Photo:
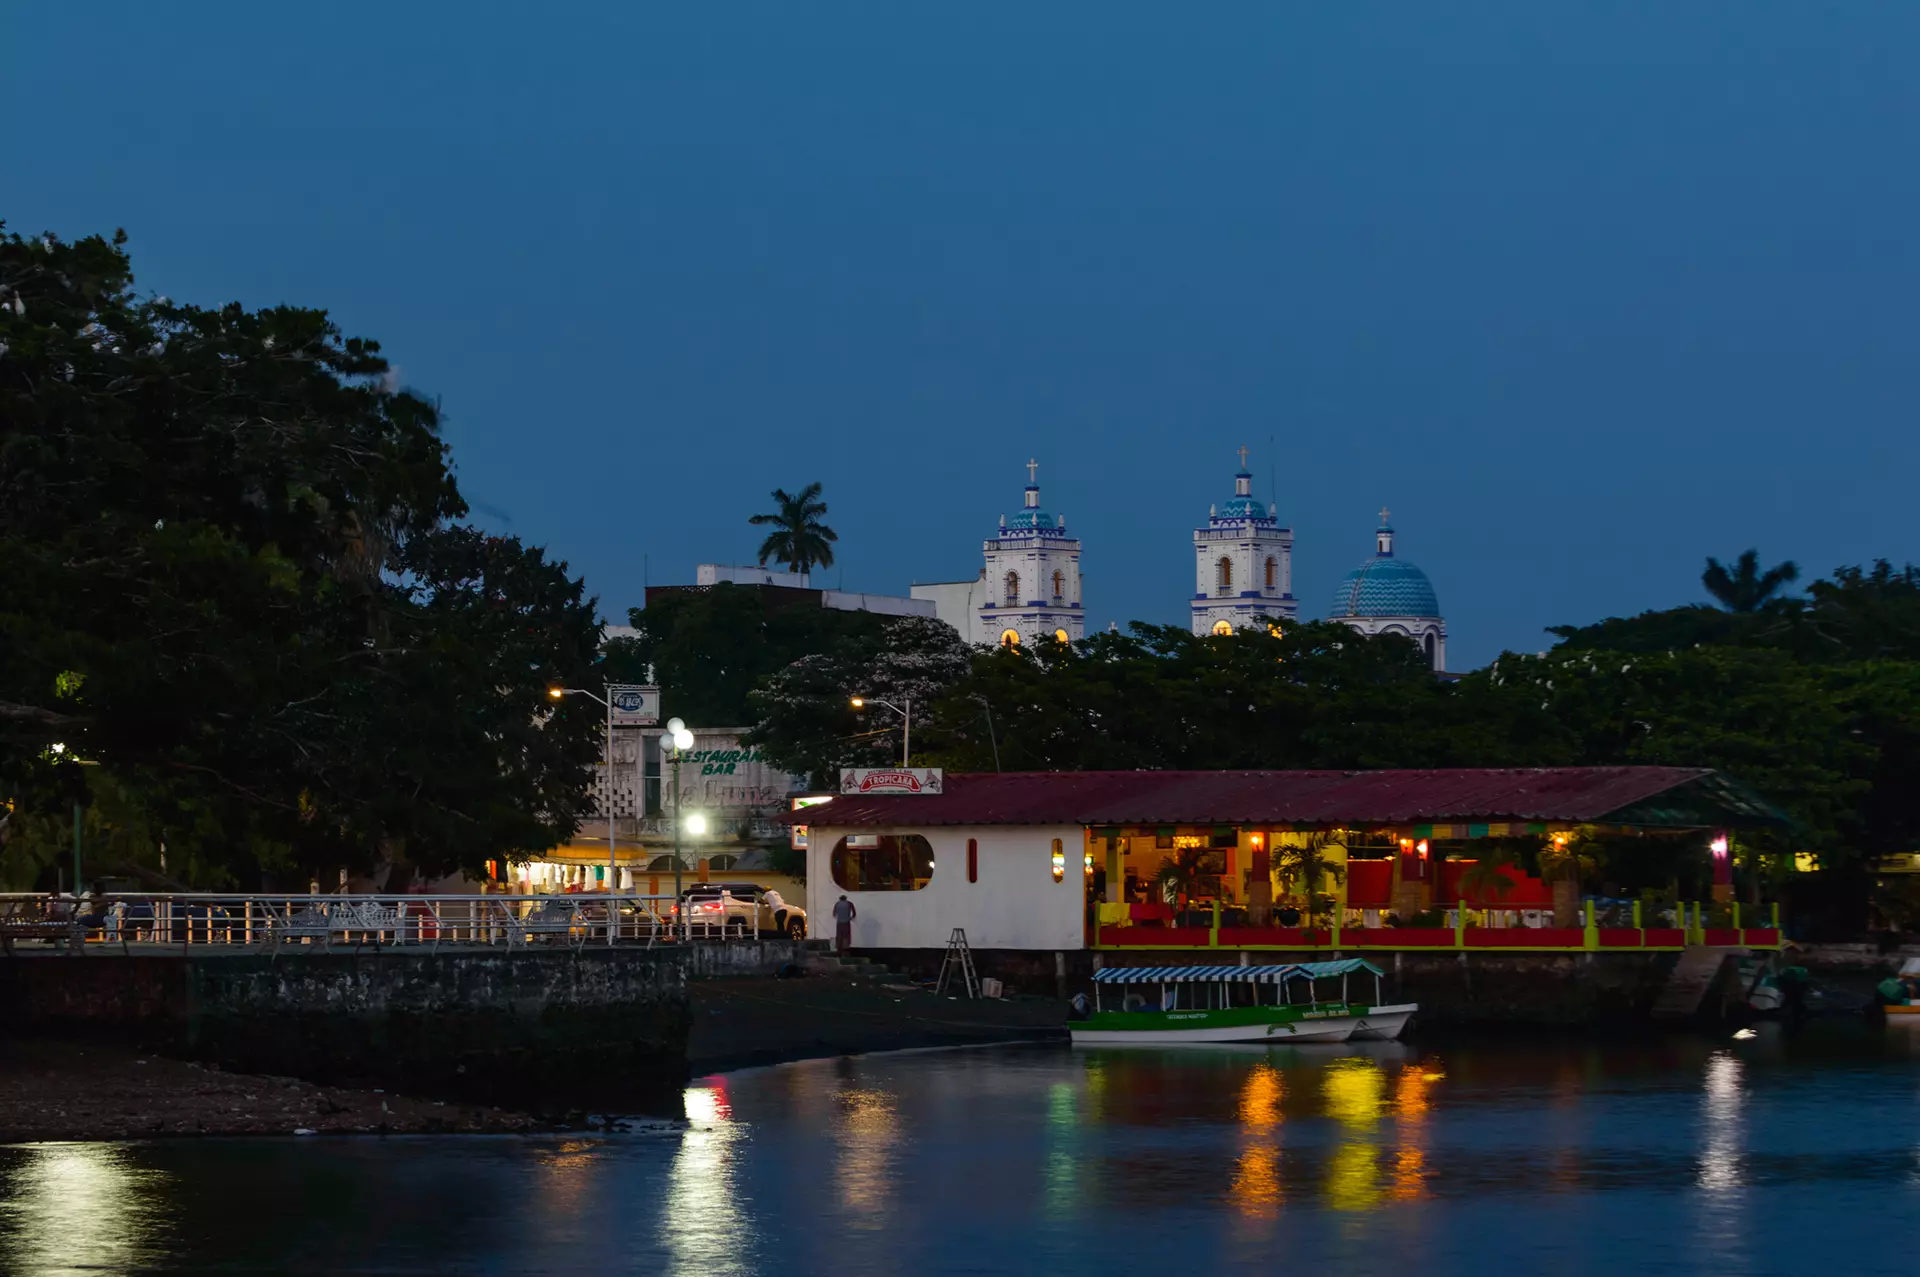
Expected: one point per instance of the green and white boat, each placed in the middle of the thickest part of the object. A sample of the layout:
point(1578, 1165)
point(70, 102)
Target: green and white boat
point(1280, 1003)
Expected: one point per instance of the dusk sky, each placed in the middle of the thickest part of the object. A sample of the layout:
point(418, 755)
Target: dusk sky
point(1583, 292)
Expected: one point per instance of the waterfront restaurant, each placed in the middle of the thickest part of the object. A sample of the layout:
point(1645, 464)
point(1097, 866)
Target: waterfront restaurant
point(1075, 860)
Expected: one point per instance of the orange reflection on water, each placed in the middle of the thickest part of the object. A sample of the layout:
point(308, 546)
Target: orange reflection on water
point(867, 1132)
point(1260, 1098)
point(1410, 1104)
point(1256, 1183)
point(1256, 1176)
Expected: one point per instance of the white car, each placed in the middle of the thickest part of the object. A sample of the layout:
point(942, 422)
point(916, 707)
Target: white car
point(740, 909)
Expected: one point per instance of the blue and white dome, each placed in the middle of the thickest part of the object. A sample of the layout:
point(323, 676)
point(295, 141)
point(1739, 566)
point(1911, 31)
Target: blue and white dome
point(1385, 586)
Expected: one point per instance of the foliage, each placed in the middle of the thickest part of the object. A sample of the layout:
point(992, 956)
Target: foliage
point(232, 581)
point(1302, 865)
point(1744, 587)
point(1160, 697)
point(710, 649)
point(799, 539)
point(806, 721)
point(1483, 882)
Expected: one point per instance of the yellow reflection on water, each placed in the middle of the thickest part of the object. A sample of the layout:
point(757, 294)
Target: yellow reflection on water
point(1256, 1176)
point(1353, 1176)
point(1354, 1089)
point(865, 1136)
point(1063, 1123)
point(704, 1223)
point(79, 1207)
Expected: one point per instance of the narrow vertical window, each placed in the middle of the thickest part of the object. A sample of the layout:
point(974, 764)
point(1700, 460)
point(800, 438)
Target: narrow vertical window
point(973, 860)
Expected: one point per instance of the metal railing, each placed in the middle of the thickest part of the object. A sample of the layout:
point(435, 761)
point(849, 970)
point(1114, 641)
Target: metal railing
point(239, 920)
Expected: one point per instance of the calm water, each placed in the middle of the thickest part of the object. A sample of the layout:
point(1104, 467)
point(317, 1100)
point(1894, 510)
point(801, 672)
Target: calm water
point(1696, 1157)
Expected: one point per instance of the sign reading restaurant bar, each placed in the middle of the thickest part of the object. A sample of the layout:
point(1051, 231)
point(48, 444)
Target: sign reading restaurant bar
point(891, 780)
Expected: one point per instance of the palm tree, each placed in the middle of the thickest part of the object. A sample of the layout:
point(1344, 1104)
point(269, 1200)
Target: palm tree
point(1482, 882)
point(1308, 866)
point(1744, 587)
point(799, 539)
point(1564, 864)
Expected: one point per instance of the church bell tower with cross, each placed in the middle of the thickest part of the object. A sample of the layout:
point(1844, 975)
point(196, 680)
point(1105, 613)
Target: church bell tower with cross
point(1032, 578)
point(1243, 564)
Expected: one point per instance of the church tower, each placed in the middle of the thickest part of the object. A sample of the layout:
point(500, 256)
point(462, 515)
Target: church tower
point(1032, 577)
point(1243, 564)
point(1388, 595)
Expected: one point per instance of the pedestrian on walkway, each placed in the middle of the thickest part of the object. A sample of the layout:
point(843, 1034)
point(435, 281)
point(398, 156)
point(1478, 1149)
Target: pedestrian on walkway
point(843, 915)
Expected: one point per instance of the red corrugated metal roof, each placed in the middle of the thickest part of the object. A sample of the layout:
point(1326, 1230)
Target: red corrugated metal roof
point(1332, 798)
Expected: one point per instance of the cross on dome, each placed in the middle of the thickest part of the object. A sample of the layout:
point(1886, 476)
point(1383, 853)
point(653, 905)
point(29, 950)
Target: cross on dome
point(1243, 456)
point(1033, 470)
point(1383, 514)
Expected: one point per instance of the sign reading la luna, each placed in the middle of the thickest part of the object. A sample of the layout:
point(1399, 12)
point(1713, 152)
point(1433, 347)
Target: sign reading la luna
point(891, 780)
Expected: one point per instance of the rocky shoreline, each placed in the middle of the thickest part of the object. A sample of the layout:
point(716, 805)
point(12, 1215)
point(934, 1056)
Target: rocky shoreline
point(57, 1089)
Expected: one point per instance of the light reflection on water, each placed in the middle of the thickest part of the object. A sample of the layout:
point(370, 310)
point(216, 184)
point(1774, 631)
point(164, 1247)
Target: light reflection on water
point(1714, 1158)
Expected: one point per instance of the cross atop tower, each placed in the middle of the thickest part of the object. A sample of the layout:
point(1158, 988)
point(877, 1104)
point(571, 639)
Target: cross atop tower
point(1033, 470)
point(1383, 514)
point(1243, 456)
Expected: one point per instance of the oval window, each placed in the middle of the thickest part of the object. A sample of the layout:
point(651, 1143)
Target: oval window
point(881, 862)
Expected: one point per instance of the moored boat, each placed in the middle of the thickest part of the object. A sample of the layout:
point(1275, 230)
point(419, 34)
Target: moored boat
point(1200, 1004)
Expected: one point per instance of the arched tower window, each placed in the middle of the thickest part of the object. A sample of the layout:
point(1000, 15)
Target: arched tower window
point(1059, 585)
point(1428, 644)
point(1223, 628)
point(1013, 589)
point(1223, 575)
point(1273, 574)
point(1009, 638)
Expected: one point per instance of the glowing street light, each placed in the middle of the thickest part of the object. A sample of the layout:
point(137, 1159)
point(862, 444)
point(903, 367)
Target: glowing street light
point(904, 709)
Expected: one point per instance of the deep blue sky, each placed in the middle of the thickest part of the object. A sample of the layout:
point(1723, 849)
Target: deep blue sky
point(1584, 292)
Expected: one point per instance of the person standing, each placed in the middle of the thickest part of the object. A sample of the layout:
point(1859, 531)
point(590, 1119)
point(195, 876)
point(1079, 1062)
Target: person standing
point(843, 915)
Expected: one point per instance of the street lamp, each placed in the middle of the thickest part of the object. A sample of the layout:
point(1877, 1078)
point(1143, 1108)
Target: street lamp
point(674, 742)
point(606, 796)
point(904, 710)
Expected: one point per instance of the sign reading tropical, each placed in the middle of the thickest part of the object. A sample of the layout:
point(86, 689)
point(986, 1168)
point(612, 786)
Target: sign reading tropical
point(634, 706)
point(891, 780)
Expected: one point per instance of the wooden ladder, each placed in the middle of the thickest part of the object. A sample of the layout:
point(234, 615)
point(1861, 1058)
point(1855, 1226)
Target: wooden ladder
point(959, 958)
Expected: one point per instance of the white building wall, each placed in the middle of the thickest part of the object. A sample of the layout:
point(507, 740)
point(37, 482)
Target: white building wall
point(1016, 904)
point(958, 604)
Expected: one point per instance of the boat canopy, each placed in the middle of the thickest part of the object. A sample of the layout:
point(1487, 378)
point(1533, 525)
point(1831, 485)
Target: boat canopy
point(1274, 974)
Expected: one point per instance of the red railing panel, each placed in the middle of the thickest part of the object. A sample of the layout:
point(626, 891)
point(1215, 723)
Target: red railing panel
point(1670, 937)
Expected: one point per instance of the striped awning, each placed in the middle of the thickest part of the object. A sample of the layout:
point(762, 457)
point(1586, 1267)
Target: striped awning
point(1264, 975)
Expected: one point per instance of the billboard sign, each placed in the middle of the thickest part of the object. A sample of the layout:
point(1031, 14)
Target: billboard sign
point(891, 780)
point(634, 706)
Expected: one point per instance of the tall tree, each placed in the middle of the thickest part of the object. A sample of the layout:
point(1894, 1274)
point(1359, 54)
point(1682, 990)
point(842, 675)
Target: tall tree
point(233, 581)
point(799, 539)
point(1744, 587)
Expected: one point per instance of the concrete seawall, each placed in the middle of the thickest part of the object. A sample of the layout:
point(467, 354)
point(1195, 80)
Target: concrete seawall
point(544, 1030)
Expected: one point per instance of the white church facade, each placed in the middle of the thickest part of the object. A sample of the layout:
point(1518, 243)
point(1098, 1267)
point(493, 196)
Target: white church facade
point(1029, 587)
point(1243, 564)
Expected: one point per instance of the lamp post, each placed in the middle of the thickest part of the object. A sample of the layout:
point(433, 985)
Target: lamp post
point(606, 796)
point(674, 742)
point(906, 713)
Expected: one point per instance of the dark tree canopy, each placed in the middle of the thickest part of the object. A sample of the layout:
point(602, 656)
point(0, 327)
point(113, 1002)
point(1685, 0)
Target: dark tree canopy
point(233, 585)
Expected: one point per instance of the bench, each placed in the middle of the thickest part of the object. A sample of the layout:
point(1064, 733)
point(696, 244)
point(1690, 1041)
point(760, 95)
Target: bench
point(324, 922)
